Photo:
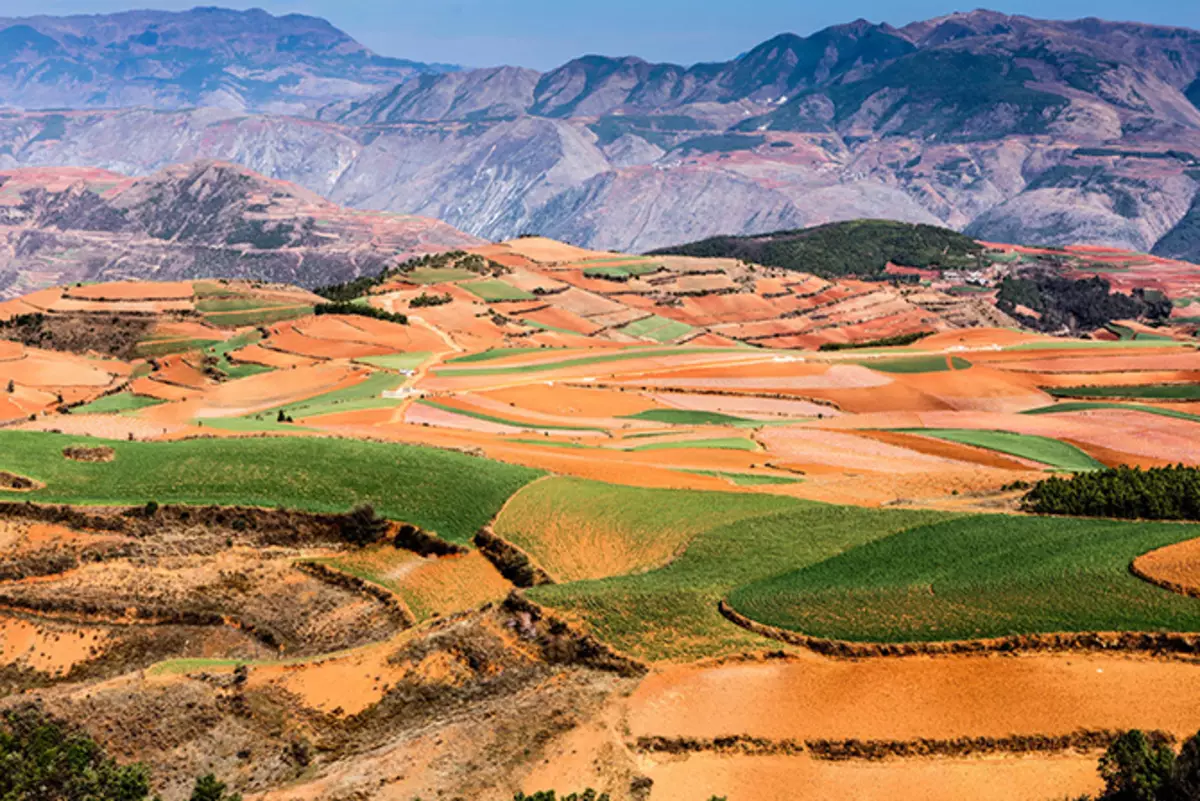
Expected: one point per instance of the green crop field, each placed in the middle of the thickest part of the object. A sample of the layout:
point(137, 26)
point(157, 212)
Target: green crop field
point(363, 395)
point(918, 364)
point(115, 404)
point(720, 443)
point(494, 353)
point(450, 493)
point(1083, 406)
point(261, 316)
point(622, 271)
point(577, 528)
point(396, 361)
point(505, 421)
point(660, 329)
point(685, 417)
point(491, 289)
point(165, 347)
point(222, 350)
point(582, 361)
point(244, 303)
point(1047, 451)
point(437, 275)
point(1181, 392)
point(671, 613)
point(748, 479)
point(982, 576)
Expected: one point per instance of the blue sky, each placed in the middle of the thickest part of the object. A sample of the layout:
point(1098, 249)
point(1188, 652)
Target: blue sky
point(545, 33)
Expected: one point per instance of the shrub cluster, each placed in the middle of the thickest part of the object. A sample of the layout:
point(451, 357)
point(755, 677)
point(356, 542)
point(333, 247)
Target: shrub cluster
point(886, 342)
point(430, 300)
point(1160, 493)
point(1140, 768)
point(345, 307)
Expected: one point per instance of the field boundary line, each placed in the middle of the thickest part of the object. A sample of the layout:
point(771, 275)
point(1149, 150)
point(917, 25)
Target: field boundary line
point(1177, 645)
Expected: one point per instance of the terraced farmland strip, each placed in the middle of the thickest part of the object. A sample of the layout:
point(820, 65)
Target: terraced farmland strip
point(491, 289)
point(918, 364)
point(167, 347)
point(979, 577)
point(260, 316)
point(748, 479)
point(583, 361)
point(1083, 406)
point(1044, 450)
point(235, 371)
point(1173, 392)
point(660, 329)
point(115, 404)
point(367, 392)
point(671, 613)
point(492, 354)
point(577, 529)
point(720, 443)
point(438, 275)
point(504, 421)
point(397, 362)
point(685, 417)
point(450, 493)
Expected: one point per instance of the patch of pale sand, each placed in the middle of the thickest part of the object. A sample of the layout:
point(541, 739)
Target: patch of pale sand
point(1177, 564)
point(47, 650)
point(133, 290)
point(779, 778)
point(110, 426)
point(746, 406)
point(845, 451)
point(420, 414)
point(906, 698)
point(562, 400)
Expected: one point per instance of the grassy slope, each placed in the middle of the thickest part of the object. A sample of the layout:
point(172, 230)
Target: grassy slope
point(1083, 406)
point(685, 417)
point(1025, 446)
point(646, 526)
point(114, 404)
point(1148, 392)
point(671, 613)
point(504, 421)
point(450, 493)
point(981, 576)
point(723, 444)
point(541, 367)
point(917, 364)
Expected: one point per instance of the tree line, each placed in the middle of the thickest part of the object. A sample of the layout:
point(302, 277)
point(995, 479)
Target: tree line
point(1130, 493)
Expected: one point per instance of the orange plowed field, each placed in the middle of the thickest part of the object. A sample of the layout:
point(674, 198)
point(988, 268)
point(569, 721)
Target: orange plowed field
point(1177, 565)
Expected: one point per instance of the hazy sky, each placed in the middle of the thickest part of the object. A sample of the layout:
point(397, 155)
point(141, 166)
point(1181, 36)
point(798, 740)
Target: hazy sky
point(545, 33)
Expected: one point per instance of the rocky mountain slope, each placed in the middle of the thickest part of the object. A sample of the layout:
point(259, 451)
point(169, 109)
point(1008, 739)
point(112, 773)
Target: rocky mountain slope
point(205, 219)
point(1008, 128)
point(248, 60)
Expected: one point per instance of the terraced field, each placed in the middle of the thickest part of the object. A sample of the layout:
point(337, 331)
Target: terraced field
point(1047, 451)
point(449, 493)
point(1164, 392)
point(978, 577)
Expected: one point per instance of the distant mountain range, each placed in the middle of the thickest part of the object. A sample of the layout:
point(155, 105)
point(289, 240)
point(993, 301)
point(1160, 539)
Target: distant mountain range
point(1007, 128)
point(243, 60)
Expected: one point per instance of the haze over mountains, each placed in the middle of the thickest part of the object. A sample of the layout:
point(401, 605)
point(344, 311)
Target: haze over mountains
point(1009, 128)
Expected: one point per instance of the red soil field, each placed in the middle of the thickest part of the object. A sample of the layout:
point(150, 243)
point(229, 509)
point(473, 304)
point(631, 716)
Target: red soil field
point(1176, 565)
point(132, 290)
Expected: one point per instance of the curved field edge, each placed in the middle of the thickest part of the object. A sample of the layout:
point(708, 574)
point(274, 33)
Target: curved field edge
point(577, 529)
point(441, 491)
point(671, 613)
point(976, 578)
point(1044, 450)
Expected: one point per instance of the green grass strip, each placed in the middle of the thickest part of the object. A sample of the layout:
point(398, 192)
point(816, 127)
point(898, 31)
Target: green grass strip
point(439, 490)
point(397, 361)
point(918, 364)
point(494, 353)
point(117, 404)
point(1145, 392)
point(721, 443)
point(1043, 450)
point(1083, 406)
point(685, 417)
point(491, 289)
point(541, 367)
point(747, 479)
point(982, 576)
